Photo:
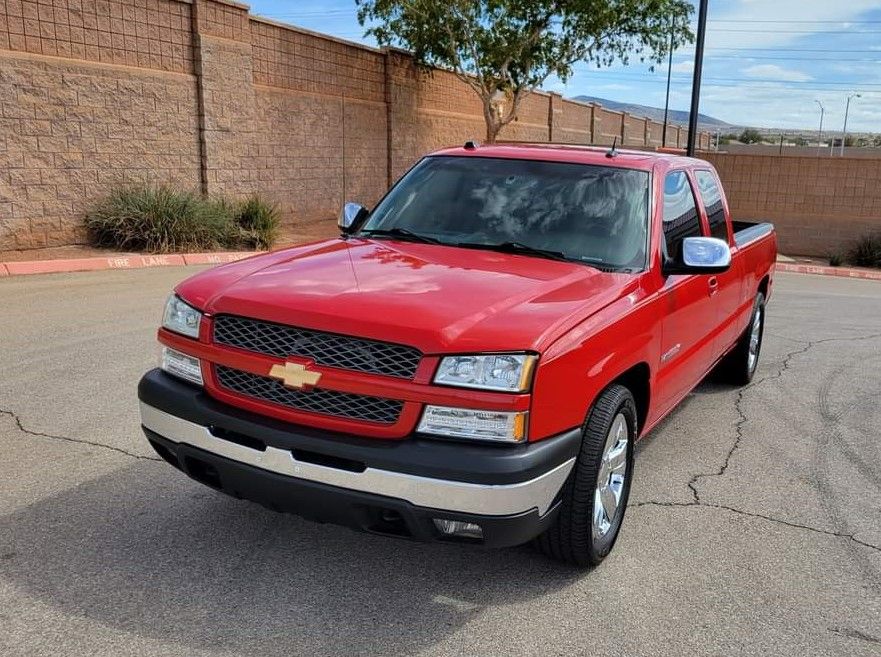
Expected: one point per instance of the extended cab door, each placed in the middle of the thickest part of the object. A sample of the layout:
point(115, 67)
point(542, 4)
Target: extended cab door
point(689, 317)
point(728, 289)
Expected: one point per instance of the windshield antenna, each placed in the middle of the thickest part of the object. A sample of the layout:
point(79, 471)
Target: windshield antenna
point(613, 152)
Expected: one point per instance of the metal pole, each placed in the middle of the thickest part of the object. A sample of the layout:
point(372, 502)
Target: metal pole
point(820, 131)
point(844, 129)
point(696, 79)
point(669, 72)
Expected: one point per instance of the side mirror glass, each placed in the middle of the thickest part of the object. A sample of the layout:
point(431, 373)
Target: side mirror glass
point(701, 255)
point(351, 216)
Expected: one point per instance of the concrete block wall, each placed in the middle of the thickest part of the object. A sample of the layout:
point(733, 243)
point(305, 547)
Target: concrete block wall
point(820, 206)
point(92, 95)
point(320, 132)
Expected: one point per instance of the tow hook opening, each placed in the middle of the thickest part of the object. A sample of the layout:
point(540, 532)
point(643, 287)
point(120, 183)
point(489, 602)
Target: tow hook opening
point(165, 453)
point(202, 472)
point(389, 521)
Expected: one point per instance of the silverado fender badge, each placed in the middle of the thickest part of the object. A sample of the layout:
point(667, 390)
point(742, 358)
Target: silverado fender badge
point(294, 375)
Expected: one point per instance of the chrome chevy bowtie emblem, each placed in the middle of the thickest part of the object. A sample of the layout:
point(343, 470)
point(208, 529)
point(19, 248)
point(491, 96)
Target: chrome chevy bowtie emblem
point(294, 375)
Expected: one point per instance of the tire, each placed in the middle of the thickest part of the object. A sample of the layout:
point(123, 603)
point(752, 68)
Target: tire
point(739, 366)
point(578, 537)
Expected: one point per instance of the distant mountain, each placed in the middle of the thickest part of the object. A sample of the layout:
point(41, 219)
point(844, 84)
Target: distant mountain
point(679, 117)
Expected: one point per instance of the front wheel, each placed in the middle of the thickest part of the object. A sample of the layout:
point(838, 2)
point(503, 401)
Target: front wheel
point(595, 495)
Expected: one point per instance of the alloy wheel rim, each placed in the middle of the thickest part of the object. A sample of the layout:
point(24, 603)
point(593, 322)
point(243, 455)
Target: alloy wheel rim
point(612, 476)
point(754, 340)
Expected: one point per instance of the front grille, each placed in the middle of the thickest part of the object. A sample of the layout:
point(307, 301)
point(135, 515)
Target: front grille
point(326, 402)
point(329, 349)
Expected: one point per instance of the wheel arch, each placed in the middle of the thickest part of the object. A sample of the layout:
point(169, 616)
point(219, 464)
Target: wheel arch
point(637, 379)
point(764, 284)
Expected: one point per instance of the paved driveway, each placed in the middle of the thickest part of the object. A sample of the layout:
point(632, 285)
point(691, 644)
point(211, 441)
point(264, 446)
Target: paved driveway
point(754, 527)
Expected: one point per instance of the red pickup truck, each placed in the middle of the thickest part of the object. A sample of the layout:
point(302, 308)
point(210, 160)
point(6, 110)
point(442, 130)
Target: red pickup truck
point(473, 359)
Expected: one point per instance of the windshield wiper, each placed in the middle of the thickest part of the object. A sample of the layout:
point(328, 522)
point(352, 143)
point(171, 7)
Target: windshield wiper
point(400, 233)
point(518, 248)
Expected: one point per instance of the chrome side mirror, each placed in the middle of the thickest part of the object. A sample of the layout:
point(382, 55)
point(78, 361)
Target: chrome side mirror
point(701, 255)
point(351, 216)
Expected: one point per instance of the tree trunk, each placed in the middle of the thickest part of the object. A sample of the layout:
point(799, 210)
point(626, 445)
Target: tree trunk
point(492, 131)
point(492, 121)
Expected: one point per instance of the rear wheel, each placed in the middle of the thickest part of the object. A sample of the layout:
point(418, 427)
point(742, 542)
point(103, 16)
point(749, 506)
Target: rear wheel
point(595, 495)
point(740, 365)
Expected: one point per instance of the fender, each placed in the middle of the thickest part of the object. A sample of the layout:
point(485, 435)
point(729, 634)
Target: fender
point(584, 361)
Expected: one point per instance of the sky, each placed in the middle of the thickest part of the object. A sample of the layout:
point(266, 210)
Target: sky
point(766, 64)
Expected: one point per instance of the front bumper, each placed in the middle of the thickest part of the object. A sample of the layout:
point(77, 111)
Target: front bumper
point(381, 486)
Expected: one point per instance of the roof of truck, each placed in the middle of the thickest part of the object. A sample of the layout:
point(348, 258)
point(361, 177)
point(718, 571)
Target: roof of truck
point(574, 153)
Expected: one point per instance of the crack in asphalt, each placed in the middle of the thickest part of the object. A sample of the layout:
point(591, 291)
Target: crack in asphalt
point(854, 634)
point(18, 423)
point(738, 428)
point(738, 438)
point(742, 417)
point(762, 516)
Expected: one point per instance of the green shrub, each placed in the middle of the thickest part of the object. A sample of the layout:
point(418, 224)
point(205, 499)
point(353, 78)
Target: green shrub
point(835, 260)
point(164, 220)
point(867, 251)
point(258, 222)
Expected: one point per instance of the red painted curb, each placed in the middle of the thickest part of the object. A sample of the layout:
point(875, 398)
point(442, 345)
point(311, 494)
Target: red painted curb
point(820, 270)
point(118, 262)
point(216, 258)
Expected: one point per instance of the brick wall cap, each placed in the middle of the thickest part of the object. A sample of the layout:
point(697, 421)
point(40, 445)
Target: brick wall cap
point(582, 103)
point(319, 35)
point(230, 3)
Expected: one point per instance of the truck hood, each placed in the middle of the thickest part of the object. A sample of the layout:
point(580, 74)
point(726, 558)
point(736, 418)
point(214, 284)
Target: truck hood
point(439, 299)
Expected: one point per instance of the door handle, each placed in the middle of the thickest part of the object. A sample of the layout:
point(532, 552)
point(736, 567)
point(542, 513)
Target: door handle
point(713, 284)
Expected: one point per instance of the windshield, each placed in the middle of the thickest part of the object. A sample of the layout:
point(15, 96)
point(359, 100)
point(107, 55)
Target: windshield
point(597, 215)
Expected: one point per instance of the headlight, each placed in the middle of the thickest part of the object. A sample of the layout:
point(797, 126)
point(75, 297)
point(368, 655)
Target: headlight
point(181, 317)
point(498, 426)
point(505, 372)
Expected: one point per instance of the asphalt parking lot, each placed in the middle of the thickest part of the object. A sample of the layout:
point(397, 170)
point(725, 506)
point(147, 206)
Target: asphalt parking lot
point(754, 525)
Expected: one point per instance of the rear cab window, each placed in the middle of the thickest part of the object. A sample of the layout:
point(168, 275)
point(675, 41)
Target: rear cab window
point(711, 195)
point(680, 215)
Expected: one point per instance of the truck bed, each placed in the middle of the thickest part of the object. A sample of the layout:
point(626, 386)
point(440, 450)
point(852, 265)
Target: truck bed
point(749, 231)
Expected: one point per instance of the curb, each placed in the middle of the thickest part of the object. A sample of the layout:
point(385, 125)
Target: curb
point(820, 270)
point(119, 262)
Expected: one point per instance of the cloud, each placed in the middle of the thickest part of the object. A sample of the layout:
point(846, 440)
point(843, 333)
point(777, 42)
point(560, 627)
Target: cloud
point(772, 71)
point(779, 29)
point(686, 66)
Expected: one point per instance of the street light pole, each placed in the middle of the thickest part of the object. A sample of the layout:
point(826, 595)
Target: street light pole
point(696, 79)
point(669, 72)
point(820, 132)
point(844, 129)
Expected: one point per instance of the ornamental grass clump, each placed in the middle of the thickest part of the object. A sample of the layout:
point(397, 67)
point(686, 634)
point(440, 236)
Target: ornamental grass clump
point(257, 221)
point(162, 219)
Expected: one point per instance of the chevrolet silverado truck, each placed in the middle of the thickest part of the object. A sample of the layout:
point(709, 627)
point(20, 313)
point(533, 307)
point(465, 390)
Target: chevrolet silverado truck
point(473, 359)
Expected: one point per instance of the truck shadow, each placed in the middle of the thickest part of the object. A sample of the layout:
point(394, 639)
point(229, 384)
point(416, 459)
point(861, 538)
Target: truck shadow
point(149, 552)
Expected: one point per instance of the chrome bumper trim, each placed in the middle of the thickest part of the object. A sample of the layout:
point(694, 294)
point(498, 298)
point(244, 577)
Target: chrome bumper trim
point(442, 494)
